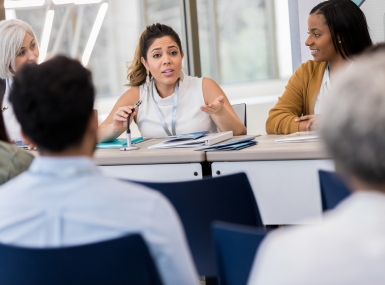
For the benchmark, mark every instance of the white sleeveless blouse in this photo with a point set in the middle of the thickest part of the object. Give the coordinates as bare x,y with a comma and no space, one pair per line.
189,117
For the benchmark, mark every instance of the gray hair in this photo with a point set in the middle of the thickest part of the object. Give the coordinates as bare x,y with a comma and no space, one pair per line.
12,33
353,121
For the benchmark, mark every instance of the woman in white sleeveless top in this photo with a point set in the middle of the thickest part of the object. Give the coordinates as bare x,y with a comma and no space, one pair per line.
173,102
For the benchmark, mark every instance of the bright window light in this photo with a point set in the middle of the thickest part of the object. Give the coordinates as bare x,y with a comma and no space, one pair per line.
94,33
60,2
79,2
23,4
46,35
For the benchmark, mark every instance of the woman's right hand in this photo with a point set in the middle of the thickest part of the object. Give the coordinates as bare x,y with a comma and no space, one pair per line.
119,120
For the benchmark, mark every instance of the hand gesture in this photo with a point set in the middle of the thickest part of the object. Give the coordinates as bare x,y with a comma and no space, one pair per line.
119,120
215,107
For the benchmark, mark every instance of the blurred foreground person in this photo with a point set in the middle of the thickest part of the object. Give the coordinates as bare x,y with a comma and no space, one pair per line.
348,247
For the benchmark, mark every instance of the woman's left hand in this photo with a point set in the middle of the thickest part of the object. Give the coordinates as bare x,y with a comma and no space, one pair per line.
308,123
214,107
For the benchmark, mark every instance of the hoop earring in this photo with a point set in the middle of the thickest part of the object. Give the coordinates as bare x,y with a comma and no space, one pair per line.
148,81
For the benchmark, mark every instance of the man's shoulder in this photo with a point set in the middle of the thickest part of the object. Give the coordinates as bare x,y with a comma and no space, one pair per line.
121,186
308,239
101,188
8,188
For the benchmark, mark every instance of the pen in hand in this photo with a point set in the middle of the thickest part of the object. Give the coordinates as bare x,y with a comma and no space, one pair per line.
128,132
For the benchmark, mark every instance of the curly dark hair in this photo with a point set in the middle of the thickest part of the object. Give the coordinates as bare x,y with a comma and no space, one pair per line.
53,102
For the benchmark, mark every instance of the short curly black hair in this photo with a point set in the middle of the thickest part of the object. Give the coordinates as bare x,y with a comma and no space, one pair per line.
53,102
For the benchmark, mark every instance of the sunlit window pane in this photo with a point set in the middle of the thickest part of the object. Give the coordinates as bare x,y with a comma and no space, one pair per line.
233,40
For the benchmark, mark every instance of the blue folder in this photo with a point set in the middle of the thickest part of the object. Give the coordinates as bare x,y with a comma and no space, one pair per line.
231,145
118,143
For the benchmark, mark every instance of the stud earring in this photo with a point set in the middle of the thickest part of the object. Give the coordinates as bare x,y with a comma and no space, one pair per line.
339,41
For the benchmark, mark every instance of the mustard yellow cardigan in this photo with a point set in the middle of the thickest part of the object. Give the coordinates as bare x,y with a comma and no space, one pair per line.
298,99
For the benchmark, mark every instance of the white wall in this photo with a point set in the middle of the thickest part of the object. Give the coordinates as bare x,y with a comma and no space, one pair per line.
282,31
375,15
304,8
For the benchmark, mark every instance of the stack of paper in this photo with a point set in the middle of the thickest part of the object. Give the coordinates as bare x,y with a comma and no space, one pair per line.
299,137
232,145
186,141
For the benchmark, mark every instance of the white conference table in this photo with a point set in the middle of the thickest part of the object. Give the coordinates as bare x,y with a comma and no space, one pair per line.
155,165
284,177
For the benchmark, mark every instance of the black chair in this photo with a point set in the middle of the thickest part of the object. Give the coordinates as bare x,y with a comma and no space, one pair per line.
200,202
123,260
333,189
235,248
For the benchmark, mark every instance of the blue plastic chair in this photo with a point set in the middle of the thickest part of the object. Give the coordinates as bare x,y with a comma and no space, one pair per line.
235,249
200,202
333,189
123,260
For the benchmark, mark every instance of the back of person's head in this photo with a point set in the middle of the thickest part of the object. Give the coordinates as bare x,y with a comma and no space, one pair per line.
353,121
347,25
12,33
136,74
53,102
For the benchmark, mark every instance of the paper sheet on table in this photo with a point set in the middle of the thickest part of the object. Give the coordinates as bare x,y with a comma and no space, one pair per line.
299,137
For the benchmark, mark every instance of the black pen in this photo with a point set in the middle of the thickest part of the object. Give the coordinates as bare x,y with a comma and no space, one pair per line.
128,132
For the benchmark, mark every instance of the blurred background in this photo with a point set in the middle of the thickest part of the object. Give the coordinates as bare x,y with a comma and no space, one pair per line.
244,45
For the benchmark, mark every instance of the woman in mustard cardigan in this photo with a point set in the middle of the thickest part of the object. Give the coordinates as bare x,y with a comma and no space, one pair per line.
337,32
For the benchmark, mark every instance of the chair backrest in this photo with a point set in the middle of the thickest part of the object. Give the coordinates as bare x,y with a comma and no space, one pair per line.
235,248
240,110
123,260
333,189
200,202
